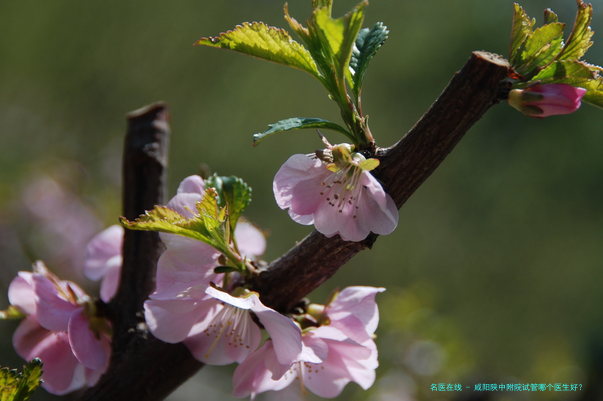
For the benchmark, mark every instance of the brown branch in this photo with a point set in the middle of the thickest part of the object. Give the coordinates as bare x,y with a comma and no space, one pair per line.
150,369
403,168
141,367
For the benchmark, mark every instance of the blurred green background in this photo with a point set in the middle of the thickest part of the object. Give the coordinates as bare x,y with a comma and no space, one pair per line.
495,273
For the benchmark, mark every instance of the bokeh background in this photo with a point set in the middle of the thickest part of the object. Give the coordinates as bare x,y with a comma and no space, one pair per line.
495,273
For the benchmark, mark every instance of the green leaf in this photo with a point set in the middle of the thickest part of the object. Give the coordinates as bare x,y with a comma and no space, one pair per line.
569,72
339,34
234,193
594,93
550,17
15,386
207,225
579,40
269,43
11,313
540,48
575,73
522,28
367,43
298,123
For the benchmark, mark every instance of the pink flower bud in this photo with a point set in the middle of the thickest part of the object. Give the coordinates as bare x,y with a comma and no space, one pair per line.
546,100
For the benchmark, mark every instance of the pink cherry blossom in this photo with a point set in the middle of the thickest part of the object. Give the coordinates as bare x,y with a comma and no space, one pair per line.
337,352
338,198
217,327
104,260
343,360
547,99
57,330
187,260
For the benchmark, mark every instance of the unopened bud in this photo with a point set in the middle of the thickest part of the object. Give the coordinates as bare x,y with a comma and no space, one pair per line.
546,100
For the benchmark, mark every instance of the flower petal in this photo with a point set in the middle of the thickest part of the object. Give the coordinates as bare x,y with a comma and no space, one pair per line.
62,372
104,246
285,334
250,241
253,376
189,251
173,272
53,311
376,209
192,184
297,168
355,312
185,203
171,320
21,293
226,335
84,344
110,282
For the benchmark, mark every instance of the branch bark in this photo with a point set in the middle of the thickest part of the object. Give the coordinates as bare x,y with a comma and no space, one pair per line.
141,366
403,168
144,367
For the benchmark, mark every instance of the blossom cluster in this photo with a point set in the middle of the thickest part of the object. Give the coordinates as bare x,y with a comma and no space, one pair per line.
60,328
192,304
196,303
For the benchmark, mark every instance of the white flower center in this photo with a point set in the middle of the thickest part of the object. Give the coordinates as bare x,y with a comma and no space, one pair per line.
231,323
341,188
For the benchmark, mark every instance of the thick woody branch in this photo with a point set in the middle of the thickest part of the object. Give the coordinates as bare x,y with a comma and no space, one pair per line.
141,366
404,167
149,369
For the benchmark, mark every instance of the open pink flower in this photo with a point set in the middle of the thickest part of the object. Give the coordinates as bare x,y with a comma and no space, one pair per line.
343,345
58,330
338,198
104,260
343,360
217,327
189,261
546,100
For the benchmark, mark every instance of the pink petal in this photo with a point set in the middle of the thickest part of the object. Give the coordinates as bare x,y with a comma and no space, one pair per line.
172,272
355,312
297,168
304,220
171,320
93,375
100,249
252,376
84,344
62,373
216,342
347,361
250,241
246,302
285,334
110,282
376,209
21,293
329,221
189,251
306,197
53,311
192,184
185,204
